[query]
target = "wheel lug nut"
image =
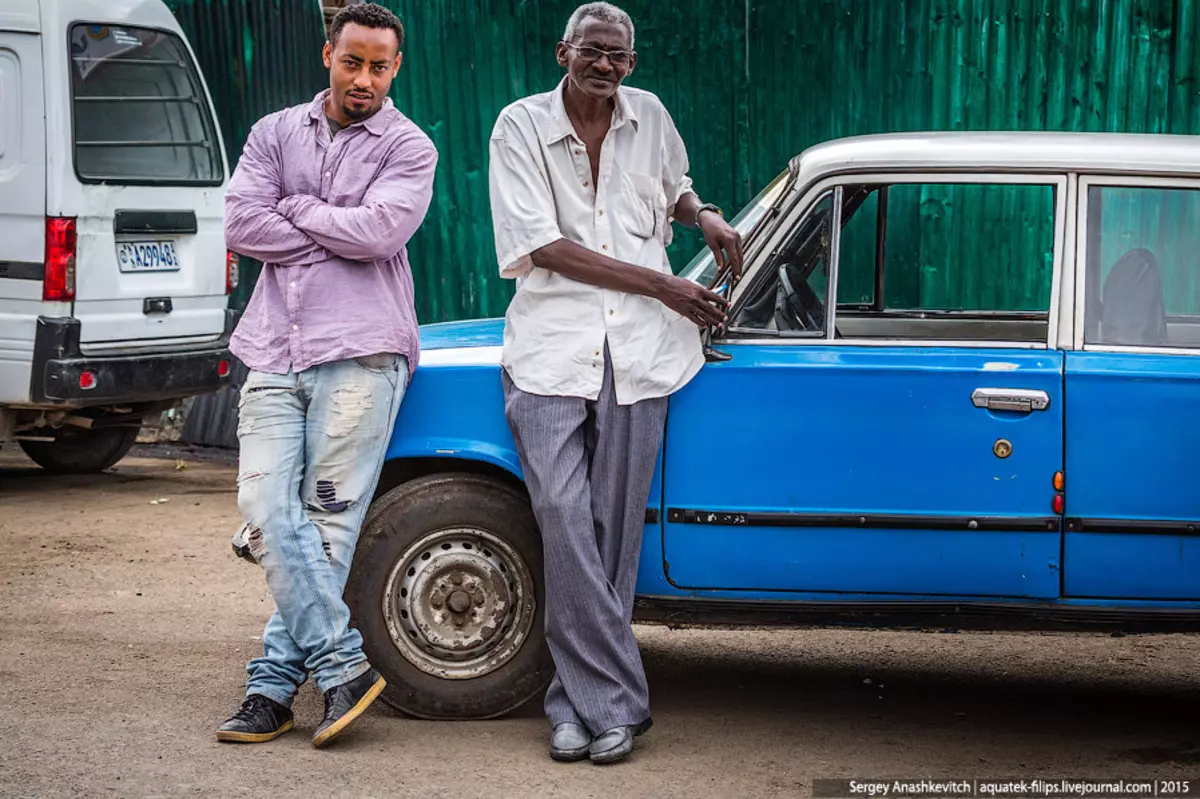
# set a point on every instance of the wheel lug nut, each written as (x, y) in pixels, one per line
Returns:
(437, 601)
(456, 578)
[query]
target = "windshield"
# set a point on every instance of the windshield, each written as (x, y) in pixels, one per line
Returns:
(703, 268)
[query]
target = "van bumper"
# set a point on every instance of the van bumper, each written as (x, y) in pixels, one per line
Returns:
(125, 376)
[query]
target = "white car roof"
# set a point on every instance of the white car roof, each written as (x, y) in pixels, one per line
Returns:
(1107, 153)
(145, 13)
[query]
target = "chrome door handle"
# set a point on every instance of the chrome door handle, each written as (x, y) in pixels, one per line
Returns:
(1021, 400)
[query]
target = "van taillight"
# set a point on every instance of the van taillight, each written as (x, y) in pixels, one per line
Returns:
(58, 282)
(231, 271)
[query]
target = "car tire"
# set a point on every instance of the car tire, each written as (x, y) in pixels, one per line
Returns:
(82, 451)
(446, 590)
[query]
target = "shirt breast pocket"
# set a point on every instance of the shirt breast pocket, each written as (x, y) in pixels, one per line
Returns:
(642, 205)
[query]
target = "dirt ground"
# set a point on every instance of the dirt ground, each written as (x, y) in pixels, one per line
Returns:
(126, 622)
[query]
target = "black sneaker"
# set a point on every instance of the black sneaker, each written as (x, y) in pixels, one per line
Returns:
(344, 703)
(258, 719)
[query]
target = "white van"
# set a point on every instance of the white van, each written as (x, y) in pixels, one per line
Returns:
(113, 270)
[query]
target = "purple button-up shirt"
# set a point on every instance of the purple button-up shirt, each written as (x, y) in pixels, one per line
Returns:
(329, 218)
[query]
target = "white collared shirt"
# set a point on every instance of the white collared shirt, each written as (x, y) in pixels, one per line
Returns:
(541, 191)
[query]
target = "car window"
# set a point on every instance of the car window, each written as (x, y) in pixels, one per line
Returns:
(788, 296)
(856, 270)
(140, 114)
(703, 268)
(1143, 262)
(936, 261)
(970, 247)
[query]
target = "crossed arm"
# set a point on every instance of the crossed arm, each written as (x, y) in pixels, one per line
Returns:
(299, 230)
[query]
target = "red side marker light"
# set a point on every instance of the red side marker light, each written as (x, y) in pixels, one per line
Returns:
(1059, 504)
(87, 380)
(223, 369)
(232, 275)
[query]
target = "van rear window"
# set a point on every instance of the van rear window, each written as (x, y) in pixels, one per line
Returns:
(140, 112)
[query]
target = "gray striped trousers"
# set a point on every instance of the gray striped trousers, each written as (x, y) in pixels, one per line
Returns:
(588, 467)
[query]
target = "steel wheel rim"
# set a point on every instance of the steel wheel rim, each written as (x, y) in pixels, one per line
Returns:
(459, 603)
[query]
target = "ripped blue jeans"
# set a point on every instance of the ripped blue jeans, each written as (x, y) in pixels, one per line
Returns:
(312, 445)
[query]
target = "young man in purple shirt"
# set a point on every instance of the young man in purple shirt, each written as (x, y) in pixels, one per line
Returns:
(327, 195)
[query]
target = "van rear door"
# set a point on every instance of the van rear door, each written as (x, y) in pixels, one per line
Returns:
(22, 196)
(151, 262)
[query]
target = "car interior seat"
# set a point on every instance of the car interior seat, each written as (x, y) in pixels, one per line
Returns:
(1132, 311)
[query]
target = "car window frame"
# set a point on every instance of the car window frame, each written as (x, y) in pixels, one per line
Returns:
(691, 270)
(753, 282)
(807, 198)
(214, 126)
(1087, 181)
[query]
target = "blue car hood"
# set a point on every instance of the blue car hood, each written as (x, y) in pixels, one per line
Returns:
(470, 333)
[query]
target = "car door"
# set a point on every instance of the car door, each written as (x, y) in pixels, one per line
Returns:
(144, 181)
(1133, 390)
(905, 444)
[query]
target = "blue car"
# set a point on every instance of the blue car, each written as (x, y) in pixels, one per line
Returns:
(959, 387)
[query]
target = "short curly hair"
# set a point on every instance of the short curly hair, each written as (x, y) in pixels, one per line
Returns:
(605, 12)
(369, 15)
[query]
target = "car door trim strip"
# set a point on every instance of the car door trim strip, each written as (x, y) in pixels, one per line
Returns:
(1032, 524)
(1133, 526)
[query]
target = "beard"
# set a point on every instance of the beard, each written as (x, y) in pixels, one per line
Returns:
(357, 113)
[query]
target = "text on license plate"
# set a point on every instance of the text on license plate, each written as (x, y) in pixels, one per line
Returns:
(147, 256)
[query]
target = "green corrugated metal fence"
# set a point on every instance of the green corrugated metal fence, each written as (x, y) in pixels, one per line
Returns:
(752, 83)
(749, 83)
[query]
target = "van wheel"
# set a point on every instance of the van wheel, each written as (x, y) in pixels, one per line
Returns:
(446, 589)
(81, 451)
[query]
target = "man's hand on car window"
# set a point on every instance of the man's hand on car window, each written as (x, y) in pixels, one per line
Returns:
(723, 240)
(693, 302)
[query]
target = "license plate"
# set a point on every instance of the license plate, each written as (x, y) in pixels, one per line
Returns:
(147, 256)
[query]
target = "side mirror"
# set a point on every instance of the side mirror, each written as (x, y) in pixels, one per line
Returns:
(716, 356)
(712, 355)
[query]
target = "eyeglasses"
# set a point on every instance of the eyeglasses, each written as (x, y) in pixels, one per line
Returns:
(618, 58)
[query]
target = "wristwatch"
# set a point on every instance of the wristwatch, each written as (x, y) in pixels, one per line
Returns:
(708, 207)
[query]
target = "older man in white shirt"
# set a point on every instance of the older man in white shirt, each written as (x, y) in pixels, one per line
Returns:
(585, 181)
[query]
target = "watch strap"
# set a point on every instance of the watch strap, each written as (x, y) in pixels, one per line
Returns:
(708, 207)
